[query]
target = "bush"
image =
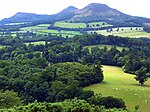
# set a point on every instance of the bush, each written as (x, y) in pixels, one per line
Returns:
(111, 102)
(9, 99)
(107, 102)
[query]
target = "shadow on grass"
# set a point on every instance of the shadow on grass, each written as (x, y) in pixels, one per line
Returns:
(140, 85)
(104, 82)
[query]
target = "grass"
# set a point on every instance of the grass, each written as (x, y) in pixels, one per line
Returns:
(1, 46)
(42, 29)
(37, 27)
(47, 31)
(126, 32)
(70, 32)
(70, 25)
(64, 33)
(43, 25)
(101, 46)
(80, 25)
(36, 43)
(123, 85)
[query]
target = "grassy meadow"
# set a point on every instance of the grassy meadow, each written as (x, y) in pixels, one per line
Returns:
(64, 33)
(125, 32)
(35, 28)
(63, 24)
(123, 85)
(1, 46)
(36, 43)
(43, 29)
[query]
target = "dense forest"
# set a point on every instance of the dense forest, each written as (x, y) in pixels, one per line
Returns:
(59, 69)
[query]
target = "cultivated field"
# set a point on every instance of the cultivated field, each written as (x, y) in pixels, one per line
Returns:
(125, 32)
(63, 24)
(122, 85)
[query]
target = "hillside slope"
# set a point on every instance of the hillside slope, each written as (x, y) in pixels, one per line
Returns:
(91, 13)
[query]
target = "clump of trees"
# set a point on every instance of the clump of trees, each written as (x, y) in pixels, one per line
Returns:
(74, 105)
(36, 80)
(142, 75)
(146, 29)
(107, 102)
(73, 50)
(60, 69)
(9, 99)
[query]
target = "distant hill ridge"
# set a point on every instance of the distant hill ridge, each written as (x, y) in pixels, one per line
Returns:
(90, 13)
(98, 9)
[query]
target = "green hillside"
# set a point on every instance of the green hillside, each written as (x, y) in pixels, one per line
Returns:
(122, 85)
(125, 32)
(69, 25)
(37, 27)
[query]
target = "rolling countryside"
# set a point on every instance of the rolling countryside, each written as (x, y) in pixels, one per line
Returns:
(90, 59)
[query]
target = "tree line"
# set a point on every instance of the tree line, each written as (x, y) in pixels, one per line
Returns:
(60, 69)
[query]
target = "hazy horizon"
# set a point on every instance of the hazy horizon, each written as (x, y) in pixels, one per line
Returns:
(9, 8)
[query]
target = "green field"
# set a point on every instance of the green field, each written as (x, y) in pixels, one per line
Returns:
(35, 28)
(36, 43)
(48, 31)
(98, 24)
(63, 24)
(125, 32)
(43, 29)
(64, 33)
(1, 46)
(101, 46)
(122, 85)
(60, 32)
(43, 25)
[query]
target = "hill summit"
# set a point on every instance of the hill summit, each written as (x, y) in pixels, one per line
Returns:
(98, 12)
(91, 13)
(97, 9)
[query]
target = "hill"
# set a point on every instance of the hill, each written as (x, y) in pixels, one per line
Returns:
(91, 13)
(26, 17)
(67, 13)
(102, 12)
(122, 85)
(99, 11)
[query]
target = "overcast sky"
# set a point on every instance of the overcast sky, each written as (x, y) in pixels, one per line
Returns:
(10, 7)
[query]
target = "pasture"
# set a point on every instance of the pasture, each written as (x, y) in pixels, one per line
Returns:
(35, 28)
(63, 24)
(125, 32)
(64, 33)
(123, 85)
(43, 29)
(36, 43)
(1, 46)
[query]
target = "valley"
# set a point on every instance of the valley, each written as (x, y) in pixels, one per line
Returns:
(71, 29)
(93, 59)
